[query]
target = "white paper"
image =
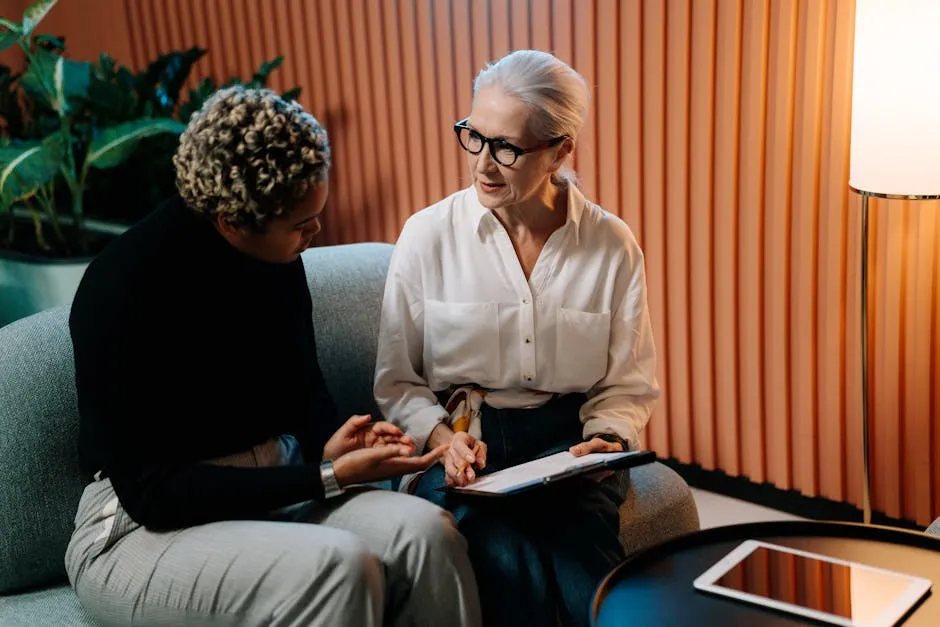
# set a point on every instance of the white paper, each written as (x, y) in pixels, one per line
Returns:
(505, 480)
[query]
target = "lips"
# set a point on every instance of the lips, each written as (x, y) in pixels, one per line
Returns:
(490, 187)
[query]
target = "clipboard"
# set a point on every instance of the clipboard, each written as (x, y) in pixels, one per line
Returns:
(550, 470)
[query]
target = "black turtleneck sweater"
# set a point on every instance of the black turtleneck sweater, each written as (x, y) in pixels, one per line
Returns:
(186, 350)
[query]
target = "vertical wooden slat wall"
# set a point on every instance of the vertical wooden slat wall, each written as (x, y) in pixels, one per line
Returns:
(720, 133)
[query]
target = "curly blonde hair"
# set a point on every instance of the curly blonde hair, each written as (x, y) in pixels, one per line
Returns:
(250, 154)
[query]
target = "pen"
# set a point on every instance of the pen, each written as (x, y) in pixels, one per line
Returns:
(464, 466)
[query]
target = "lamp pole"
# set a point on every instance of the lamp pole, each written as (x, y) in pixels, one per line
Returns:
(895, 137)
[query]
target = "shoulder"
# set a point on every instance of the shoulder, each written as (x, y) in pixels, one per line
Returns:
(131, 263)
(604, 230)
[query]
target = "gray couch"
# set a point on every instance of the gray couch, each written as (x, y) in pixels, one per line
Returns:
(39, 479)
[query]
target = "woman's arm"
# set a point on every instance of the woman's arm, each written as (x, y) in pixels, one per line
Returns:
(621, 403)
(135, 420)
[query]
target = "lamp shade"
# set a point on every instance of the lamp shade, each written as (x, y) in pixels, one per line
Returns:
(895, 146)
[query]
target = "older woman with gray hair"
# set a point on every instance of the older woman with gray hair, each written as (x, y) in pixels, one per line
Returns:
(515, 325)
(217, 467)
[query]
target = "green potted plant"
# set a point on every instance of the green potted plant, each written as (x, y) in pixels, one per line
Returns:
(85, 151)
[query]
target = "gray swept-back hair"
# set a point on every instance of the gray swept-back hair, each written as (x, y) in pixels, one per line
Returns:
(557, 96)
(250, 154)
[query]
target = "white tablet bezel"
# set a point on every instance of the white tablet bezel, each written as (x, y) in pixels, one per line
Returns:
(707, 582)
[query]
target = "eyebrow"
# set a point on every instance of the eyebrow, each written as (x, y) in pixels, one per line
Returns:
(508, 140)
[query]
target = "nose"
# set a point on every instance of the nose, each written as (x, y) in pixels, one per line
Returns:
(484, 160)
(314, 228)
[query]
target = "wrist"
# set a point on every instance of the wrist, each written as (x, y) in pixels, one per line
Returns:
(331, 478)
(441, 434)
(614, 439)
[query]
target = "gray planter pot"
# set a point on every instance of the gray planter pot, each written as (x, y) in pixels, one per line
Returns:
(31, 284)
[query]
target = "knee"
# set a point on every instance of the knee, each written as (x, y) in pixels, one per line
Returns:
(350, 561)
(498, 543)
(430, 526)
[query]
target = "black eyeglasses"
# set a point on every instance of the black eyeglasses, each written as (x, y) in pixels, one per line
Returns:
(501, 150)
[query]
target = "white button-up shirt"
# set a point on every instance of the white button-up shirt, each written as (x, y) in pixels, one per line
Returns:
(459, 310)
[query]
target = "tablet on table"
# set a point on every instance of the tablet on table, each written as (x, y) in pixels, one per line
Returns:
(835, 591)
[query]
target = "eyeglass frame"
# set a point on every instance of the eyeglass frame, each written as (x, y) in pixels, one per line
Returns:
(516, 150)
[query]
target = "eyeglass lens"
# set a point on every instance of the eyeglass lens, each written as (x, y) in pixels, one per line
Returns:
(473, 142)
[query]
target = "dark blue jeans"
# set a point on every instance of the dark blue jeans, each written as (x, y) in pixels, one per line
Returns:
(539, 555)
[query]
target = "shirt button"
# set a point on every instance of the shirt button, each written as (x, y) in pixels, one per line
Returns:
(528, 378)
(527, 340)
(525, 301)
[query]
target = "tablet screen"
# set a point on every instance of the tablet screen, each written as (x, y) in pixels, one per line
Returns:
(850, 593)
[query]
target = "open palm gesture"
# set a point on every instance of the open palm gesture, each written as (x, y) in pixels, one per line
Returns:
(358, 433)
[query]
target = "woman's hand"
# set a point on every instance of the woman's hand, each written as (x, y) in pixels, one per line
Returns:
(381, 462)
(595, 445)
(357, 433)
(464, 453)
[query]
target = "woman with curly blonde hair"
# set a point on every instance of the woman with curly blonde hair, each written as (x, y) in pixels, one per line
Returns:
(217, 466)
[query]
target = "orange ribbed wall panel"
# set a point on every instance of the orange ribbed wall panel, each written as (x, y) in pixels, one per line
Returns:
(719, 131)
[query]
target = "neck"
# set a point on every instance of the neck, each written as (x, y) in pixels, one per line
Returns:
(544, 212)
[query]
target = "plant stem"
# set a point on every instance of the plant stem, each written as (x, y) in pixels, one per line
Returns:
(46, 196)
(78, 215)
(37, 226)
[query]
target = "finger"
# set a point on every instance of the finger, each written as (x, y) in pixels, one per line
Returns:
(354, 424)
(461, 444)
(583, 449)
(396, 439)
(435, 454)
(384, 428)
(481, 455)
(450, 470)
(455, 471)
(397, 446)
(391, 439)
(457, 460)
(381, 453)
(410, 464)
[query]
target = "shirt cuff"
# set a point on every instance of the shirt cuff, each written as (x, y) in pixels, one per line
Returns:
(620, 428)
(420, 425)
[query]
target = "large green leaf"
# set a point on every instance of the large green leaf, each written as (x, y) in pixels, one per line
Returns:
(26, 167)
(66, 79)
(35, 13)
(7, 39)
(114, 145)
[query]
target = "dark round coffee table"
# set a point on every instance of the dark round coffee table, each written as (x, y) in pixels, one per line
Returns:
(654, 587)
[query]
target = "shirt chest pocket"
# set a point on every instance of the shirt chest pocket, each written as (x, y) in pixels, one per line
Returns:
(583, 344)
(461, 342)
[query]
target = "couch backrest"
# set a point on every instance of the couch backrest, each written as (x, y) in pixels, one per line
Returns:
(346, 286)
(40, 483)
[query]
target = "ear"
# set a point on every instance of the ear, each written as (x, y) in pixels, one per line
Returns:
(226, 224)
(564, 149)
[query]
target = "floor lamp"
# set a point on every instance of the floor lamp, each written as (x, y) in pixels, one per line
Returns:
(895, 143)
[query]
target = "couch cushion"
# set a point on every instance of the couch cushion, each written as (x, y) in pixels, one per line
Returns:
(346, 285)
(52, 606)
(41, 483)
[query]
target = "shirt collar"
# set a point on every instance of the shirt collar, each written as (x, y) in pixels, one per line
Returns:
(481, 216)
